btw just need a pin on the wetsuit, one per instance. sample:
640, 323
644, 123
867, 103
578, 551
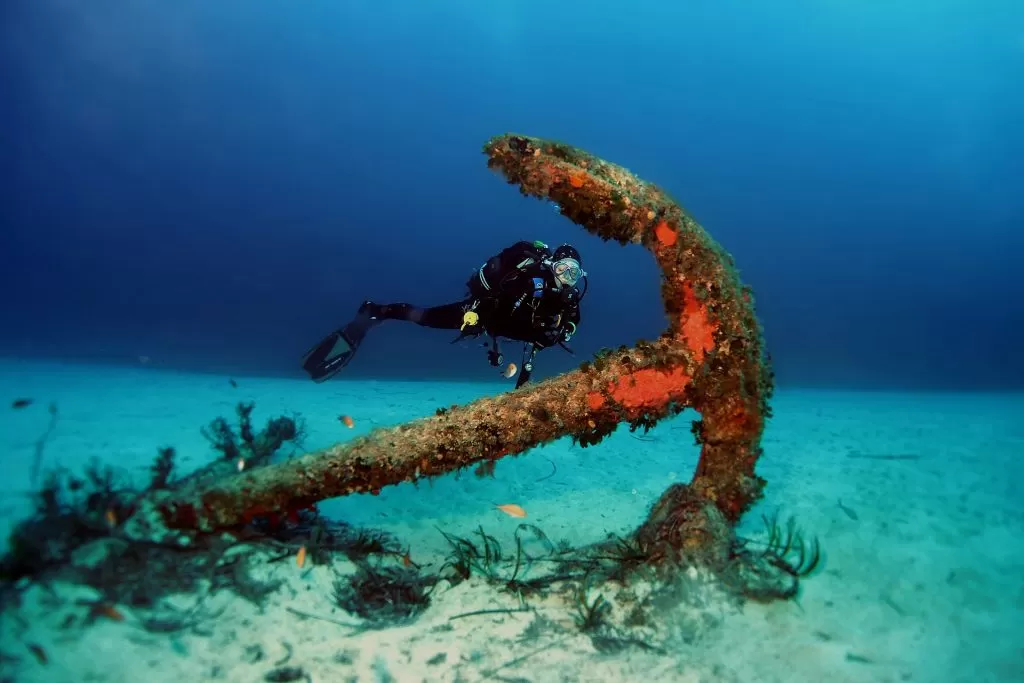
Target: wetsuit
523, 303
528, 307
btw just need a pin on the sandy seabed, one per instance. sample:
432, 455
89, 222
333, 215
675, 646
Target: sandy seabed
914, 498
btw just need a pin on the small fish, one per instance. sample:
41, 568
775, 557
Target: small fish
511, 370
300, 557
512, 510
111, 518
100, 608
107, 610
407, 560
39, 652
347, 421
241, 464
233, 383
849, 513
20, 403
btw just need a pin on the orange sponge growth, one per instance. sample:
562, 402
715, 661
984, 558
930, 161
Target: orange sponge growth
665, 234
648, 388
697, 326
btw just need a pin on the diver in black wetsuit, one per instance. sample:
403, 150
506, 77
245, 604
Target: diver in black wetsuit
525, 293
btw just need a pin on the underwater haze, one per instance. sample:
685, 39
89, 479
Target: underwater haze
196, 192
215, 186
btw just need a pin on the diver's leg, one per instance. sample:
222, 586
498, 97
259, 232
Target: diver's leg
334, 351
444, 317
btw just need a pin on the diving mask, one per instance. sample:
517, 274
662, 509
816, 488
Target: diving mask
567, 271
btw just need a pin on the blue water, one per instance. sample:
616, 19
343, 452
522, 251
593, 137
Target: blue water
197, 191
217, 185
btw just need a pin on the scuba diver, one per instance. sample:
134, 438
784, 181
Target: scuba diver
525, 293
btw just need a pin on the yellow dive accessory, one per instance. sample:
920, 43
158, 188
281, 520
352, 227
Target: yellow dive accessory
469, 318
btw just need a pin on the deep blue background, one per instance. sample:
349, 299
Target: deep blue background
215, 185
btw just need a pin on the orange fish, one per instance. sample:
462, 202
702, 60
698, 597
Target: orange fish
347, 421
512, 510
300, 557
511, 370
107, 610
111, 517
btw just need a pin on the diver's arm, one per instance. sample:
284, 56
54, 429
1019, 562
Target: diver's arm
529, 353
570, 321
573, 314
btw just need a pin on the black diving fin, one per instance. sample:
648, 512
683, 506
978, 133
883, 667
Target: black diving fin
334, 351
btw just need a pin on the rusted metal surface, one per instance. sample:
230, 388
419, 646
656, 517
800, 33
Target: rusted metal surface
710, 357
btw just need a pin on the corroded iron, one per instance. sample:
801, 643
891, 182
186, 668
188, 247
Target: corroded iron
710, 358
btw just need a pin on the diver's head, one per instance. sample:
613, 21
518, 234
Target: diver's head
566, 265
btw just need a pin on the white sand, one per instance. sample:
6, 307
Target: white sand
925, 585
